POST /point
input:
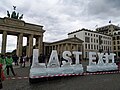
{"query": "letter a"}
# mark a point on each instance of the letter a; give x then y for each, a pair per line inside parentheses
(53, 61)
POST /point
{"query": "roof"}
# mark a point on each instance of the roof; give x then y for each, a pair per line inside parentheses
(108, 26)
(73, 39)
(83, 29)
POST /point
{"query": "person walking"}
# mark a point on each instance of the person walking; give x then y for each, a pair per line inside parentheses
(9, 62)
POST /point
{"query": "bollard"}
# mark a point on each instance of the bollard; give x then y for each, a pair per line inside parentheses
(1, 76)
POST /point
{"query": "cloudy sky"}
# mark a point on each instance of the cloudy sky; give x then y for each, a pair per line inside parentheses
(59, 17)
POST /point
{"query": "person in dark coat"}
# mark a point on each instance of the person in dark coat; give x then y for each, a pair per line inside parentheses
(15, 59)
(31, 60)
(21, 61)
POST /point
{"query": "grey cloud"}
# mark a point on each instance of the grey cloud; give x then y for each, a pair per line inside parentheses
(103, 9)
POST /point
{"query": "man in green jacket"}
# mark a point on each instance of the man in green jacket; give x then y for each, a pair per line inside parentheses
(9, 62)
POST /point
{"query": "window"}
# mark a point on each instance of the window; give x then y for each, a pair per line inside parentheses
(117, 42)
(97, 47)
(114, 42)
(110, 42)
(91, 40)
(87, 39)
(85, 33)
(118, 47)
(114, 47)
(113, 38)
(94, 40)
(91, 34)
(97, 41)
(91, 46)
(86, 46)
(118, 37)
(94, 46)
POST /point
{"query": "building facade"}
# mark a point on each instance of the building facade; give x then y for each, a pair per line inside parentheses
(108, 29)
(114, 31)
(116, 43)
(93, 41)
(69, 44)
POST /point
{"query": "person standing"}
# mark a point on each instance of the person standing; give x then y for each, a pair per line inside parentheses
(9, 62)
(24, 60)
(15, 59)
(21, 61)
(31, 60)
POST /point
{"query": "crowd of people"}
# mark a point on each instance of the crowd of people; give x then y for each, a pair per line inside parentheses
(7, 61)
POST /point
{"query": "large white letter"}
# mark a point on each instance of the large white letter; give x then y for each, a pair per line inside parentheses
(100, 61)
(111, 56)
(91, 58)
(65, 56)
(53, 61)
(106, 58)
(35, 57)
(76, 53)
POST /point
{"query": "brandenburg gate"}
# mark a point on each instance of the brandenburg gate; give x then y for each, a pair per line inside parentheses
(19, 28)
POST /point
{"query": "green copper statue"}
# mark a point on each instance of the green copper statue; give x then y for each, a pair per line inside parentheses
(14, 15)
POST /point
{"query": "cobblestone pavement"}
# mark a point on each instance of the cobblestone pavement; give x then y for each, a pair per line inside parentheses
(89, 82)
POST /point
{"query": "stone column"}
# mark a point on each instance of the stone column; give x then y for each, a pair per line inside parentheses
(71, 47)
(40, 44)
(19, 44)
(30, 47)
(61, 48)
(58, 49)
(4, 41)
(77, 47)
(66, 45)
(27, 47)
